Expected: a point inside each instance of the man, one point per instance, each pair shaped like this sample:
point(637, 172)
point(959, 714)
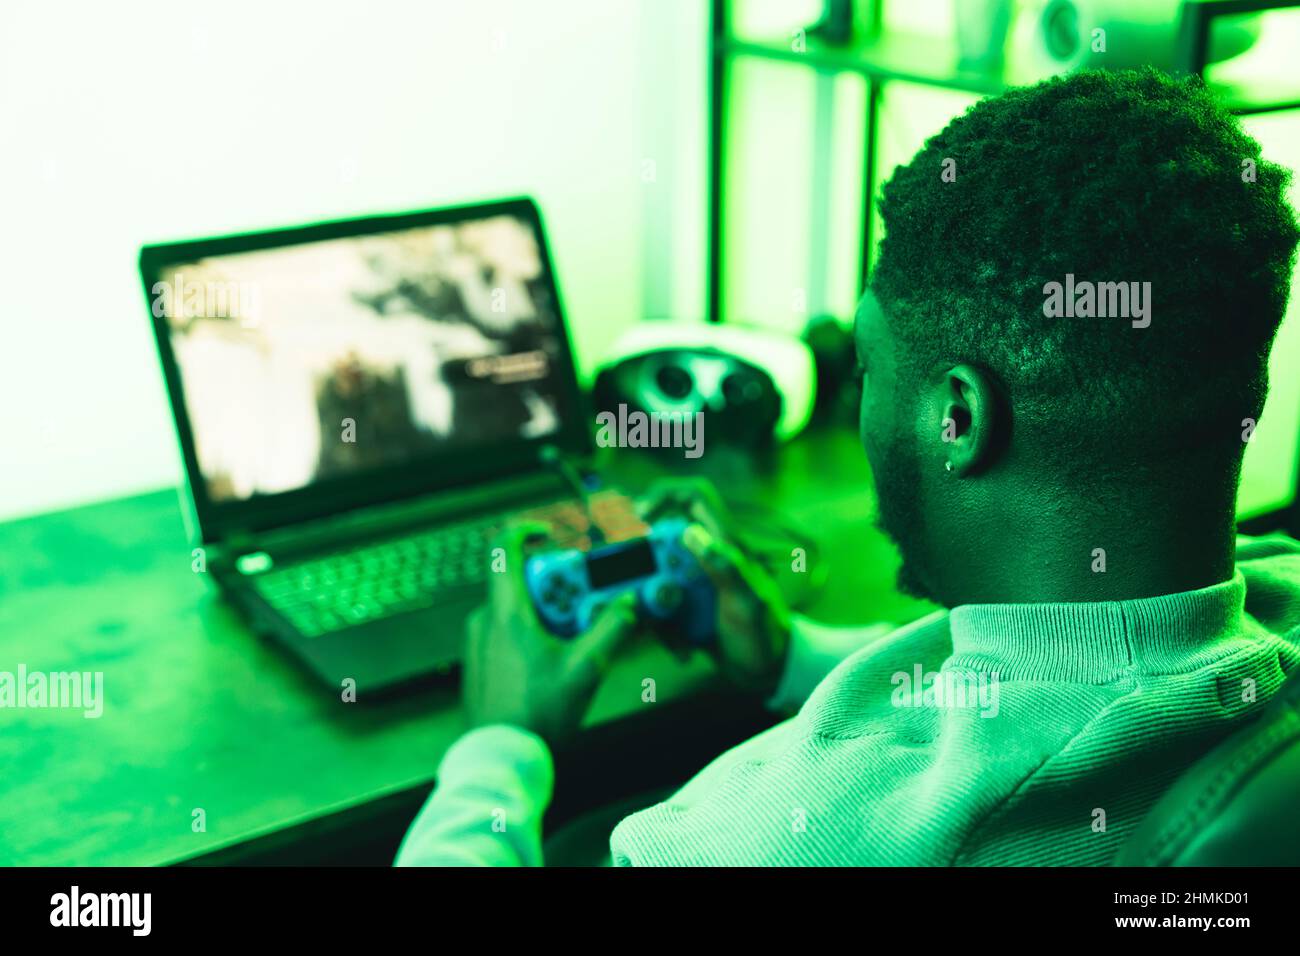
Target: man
point(1064, 347)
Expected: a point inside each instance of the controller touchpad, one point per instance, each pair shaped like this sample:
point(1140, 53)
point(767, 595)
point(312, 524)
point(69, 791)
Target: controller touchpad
point(613, 566)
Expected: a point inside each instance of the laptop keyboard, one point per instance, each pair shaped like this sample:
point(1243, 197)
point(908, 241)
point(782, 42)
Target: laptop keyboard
point(379, 579)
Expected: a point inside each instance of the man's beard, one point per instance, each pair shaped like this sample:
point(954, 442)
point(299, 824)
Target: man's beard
point(898, 476)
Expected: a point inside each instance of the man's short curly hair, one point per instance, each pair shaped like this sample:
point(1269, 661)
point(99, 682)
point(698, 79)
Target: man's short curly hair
point(1129, 176)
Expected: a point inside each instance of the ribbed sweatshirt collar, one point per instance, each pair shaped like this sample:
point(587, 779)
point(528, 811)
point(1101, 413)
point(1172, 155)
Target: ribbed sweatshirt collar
point(1093, 642)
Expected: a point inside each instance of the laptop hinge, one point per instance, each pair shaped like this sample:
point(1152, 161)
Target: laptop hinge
point(501, 496)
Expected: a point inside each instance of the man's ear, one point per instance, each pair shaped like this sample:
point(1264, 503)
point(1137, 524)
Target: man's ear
point(970, 419)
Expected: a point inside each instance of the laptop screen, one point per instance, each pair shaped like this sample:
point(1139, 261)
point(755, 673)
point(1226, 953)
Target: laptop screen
point(331, 359)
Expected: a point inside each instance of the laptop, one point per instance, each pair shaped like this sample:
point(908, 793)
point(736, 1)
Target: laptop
point(361, 406)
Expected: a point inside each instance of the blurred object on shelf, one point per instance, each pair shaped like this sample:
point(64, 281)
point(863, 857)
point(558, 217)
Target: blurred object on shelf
point(982, 27)
point(751, 385)
point(1058, 36)
point(836, 23)
point(1264, 78)
point(831, 342)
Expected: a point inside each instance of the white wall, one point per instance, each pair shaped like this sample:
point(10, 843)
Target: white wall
point(147, 120)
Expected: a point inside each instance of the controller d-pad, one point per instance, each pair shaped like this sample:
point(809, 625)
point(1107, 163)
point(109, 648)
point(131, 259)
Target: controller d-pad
point(559, 588)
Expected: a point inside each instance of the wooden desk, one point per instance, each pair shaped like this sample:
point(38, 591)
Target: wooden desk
point(200, 714)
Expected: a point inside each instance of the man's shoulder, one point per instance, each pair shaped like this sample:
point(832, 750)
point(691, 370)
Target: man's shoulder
point(835, 707)
point(1270, 566)
point(1252, 549)
point(789, 795)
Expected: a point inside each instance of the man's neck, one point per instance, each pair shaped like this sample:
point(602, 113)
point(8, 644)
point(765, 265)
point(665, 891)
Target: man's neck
point(1053, 547)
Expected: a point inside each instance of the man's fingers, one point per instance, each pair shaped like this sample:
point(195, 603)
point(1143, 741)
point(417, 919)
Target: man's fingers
point(706, 513)
point(507, 586)
point(590, 653)
point(720, 560)
point(676, 496)
point(474, 622)
point(662, 502)
point(517, 532)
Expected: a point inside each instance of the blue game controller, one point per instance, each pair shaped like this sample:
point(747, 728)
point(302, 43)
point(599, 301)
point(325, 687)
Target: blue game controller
point(571, 588)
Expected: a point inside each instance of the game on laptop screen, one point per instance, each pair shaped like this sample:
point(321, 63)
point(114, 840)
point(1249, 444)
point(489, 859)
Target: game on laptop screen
point(327, 359)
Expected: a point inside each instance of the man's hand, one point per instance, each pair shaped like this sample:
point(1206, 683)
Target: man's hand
point(516, 672)
point(753, 617)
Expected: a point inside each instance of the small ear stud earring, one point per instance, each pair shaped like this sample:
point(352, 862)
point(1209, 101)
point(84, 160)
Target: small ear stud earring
point(947, 466)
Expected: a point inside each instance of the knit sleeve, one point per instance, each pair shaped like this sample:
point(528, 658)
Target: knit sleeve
point(486, 809)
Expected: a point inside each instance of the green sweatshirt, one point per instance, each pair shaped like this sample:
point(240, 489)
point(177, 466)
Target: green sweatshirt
point(1011, 734)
